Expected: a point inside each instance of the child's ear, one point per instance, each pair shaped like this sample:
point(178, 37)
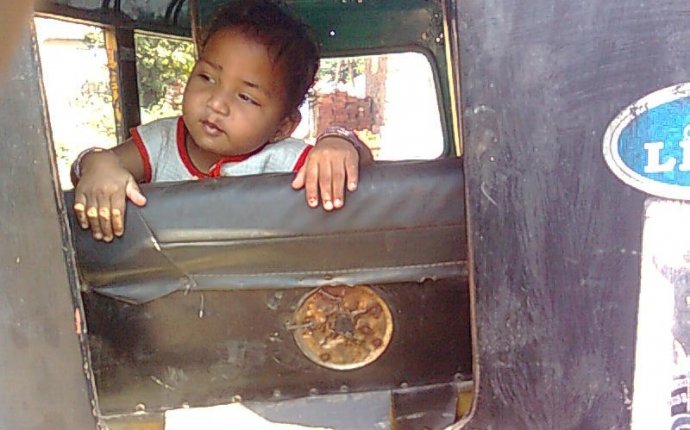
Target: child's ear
point(288, 125)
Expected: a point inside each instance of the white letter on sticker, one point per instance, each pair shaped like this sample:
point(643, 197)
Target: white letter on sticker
point(654, 159)
point(684, 166)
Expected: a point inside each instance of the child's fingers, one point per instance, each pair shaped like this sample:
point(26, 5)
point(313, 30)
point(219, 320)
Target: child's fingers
point(118, 222)
point(118, 207)
point(94, 222)
point(311, 187)
point(352, 172)
point(80, 211)
point(105, 217)
point(300, 176)
point(134, 193)
point(325, 185)
point(338, 184)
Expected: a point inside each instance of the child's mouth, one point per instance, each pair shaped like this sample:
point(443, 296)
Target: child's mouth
point(211, 129)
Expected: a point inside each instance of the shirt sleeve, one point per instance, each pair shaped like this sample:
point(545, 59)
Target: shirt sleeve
point(288, 155)
point(151, 139)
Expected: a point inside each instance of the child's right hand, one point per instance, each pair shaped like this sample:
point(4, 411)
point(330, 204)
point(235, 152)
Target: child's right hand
point(101, 193)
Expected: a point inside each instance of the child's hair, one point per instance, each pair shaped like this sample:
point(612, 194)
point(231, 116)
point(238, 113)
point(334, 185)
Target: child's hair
point(289, 41)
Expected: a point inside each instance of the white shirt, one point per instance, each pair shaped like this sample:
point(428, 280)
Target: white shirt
point(161, 144)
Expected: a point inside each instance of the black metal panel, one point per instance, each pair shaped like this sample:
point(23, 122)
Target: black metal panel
point(426, 408)
point(207, 347)
point(554, 236)
point(42, 379)
point(176, 315)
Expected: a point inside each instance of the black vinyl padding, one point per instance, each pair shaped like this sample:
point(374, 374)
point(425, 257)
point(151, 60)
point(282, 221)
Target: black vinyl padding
point(406, 222)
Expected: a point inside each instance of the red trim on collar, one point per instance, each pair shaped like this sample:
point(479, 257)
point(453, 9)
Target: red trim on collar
point(182, 150)
point(143, 152)
point(214, 171)
point(302, 158)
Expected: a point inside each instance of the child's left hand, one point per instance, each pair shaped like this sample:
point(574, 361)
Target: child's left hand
point(331, 163)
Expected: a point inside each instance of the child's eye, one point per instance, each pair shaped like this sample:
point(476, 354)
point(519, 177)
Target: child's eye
point(246, 98)
point(206, 77)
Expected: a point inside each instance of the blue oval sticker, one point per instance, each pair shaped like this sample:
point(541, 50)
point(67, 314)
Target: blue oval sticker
point(648, 144)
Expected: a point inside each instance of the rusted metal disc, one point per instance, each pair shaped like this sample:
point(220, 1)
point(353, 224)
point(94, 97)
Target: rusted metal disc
point(342, 327)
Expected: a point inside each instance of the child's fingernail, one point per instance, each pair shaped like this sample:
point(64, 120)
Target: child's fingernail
point(352, 186)
point(85, 225)
point(97, 236)
point(108, 238)
point(328, 205)
point(338, 203)
point(313, 202)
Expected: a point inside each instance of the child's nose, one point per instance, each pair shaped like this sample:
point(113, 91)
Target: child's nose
point(219, 102)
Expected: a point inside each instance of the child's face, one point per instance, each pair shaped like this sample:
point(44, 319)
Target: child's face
point(234, 101)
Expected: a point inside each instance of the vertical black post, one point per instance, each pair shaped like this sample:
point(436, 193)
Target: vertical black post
point(554, 235)
point(42, 382)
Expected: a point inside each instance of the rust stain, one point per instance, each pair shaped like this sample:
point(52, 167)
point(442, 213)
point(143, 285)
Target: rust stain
point(341, 327)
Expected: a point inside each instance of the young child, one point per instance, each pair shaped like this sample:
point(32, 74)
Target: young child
point(239, 108)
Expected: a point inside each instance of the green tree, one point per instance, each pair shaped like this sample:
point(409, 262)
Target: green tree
point(163, 65)
point(340, 70)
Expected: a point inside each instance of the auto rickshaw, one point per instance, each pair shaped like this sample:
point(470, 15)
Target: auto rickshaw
point(505, 272)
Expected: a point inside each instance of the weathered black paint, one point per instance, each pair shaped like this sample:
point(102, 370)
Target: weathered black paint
point(163, 355)
point(554, 236)
point(193, 304)
point(42, 379)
